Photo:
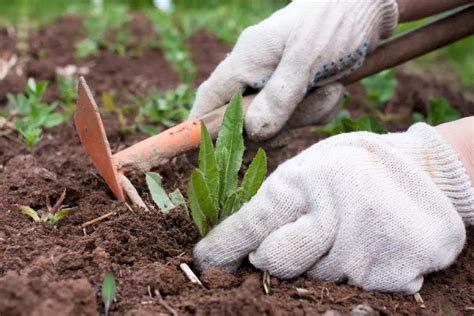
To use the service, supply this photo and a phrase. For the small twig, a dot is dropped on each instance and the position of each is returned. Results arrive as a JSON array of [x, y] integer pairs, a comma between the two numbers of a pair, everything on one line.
[[190, 274], [345, 298], [306, 294], [132, 193], [129, 207], [98, 219], [162, 302], [419, 300], [267, 287]]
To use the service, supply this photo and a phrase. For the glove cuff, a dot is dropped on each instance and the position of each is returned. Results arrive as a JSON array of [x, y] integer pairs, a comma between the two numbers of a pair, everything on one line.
[[445, 167]]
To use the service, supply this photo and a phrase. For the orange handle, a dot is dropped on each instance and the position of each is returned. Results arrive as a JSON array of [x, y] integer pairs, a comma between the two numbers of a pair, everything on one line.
[[150, 152]]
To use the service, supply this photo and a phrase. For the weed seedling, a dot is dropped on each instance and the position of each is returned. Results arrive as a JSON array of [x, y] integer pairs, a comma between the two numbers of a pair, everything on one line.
[[173, 43], [53, 215], [67, 94], [213, 190], [98, 24], [109, 290], [168, 109], [438, 111], [380, 87], [31, 115], [343, 123]]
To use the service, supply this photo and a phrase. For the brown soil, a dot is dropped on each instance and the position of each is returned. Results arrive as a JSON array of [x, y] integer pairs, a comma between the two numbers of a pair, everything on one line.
[[58, 271]]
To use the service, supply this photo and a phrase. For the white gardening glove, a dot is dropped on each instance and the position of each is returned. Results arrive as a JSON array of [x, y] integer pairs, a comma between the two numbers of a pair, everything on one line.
[[306, 44], [379, 211]]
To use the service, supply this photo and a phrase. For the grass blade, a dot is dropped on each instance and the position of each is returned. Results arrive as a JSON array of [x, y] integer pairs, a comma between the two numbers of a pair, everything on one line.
[[254, 176], [208, 164], [28, 211], [203, 211], [109, 290], [230, 144], [158, 193]]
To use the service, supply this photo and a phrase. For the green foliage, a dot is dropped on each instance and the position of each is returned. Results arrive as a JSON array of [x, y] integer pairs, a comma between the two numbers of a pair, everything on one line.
[[380, 87], [28, 211], [213, 190], [53, 214], [157, 108], [167, 108], [227, 19], [31, 135], [67, 94], [230, 146], [173, 44], [438, 111], [343, 123], [99, 24], [164, 201], [31, 115], [85, 48], [109, 290]]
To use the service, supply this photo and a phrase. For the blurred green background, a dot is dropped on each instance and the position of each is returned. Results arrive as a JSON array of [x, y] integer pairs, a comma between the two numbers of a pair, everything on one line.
[[225, 18]]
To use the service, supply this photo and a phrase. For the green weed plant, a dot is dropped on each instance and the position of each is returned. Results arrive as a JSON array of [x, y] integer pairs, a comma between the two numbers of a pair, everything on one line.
[[213, 190]]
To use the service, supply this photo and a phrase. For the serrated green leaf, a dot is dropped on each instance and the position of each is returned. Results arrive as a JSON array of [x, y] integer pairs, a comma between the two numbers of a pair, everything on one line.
[[109, 290], [254, 176], [158, 193], [28, 211], [230, 144], [231, 204], [221, 159], [208, 163], [203, 211]]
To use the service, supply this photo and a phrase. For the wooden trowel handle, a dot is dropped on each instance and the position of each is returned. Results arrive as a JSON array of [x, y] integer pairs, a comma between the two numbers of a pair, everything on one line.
[[185, 136]]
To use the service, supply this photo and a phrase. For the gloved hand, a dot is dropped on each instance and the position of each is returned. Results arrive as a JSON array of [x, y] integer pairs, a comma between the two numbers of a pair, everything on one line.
[[309, 43], [379, 211]]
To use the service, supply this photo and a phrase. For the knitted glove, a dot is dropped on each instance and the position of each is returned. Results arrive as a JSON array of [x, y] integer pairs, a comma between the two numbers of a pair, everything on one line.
[[378, 211], [307, 44]]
